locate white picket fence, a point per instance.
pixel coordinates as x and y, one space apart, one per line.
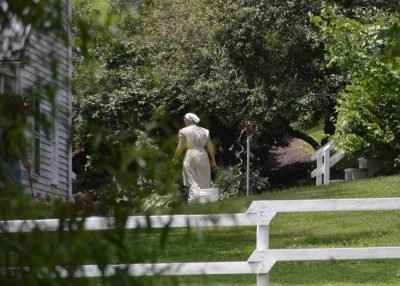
260 262
324 163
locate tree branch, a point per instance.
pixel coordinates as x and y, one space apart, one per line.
304 137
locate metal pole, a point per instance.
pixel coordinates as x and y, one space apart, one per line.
248 167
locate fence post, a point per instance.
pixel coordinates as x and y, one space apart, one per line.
327 166
263 279
325 162
262 243
319 176
262 237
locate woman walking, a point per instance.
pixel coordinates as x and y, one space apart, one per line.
197 165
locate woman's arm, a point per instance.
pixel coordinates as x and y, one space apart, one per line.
179 149
211 151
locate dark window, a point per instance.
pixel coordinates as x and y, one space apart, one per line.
36 114
36 163
8 84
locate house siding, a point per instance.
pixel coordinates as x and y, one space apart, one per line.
55 173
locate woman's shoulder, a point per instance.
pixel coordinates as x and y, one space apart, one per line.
193 128
184 129
204 129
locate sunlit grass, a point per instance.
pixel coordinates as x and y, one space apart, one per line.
306 230
291 230
317 133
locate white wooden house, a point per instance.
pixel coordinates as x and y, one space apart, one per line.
36 63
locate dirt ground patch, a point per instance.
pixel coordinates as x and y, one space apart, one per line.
288 165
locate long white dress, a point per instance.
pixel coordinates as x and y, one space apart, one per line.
196 165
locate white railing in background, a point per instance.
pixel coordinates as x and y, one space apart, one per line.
261 261
324 163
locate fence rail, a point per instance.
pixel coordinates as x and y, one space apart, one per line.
132 222
260 214
324 163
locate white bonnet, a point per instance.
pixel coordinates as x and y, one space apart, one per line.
192 117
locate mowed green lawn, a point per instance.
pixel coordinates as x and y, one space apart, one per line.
296 230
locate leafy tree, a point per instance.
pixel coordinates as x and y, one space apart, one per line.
229 61
392 35
368 121
115 100
236 61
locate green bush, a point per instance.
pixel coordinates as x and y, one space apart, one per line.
368 109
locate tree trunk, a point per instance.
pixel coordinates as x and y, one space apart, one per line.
329 126
304 137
